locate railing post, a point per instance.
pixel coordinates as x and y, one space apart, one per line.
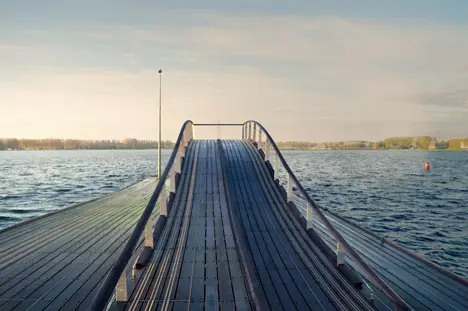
276 166
250 131
149 233
260 139
172 181
182 147
255 132
178 163
243 131
340 254
162 202
310 216
121 293
290 188
267 148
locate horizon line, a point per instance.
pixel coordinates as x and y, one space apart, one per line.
279 141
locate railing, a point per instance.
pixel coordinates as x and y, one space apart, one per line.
250 129
117 278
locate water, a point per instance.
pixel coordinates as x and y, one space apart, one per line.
387 192
36 182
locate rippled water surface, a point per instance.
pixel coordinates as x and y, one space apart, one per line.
36 182
387 192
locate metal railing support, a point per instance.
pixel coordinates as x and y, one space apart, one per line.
178 163
182 147
121 293
310 216
276 166
260 139
249 133
172 181
149 234
254 132
290 188
186 139
340 253
267 149
163 202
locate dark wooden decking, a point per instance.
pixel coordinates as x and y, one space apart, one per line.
293 272
56 262
230 241
421 283
195 263
417 281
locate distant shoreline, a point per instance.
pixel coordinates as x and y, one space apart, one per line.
283 149
392 143
164 148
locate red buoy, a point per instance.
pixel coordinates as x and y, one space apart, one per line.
427 166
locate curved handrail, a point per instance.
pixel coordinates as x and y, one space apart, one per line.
368 271
107 289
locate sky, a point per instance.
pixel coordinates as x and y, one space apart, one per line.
307 70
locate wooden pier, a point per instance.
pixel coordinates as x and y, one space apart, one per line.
57 261
220 230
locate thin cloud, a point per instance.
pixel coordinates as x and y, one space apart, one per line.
307 78
448 99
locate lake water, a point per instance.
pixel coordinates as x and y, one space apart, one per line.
387 192
36 182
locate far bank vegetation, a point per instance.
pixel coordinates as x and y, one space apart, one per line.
414 143
76 144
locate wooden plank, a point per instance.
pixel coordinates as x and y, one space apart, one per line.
49 256
202 275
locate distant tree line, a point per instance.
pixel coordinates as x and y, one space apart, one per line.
416 142
295 145
72 144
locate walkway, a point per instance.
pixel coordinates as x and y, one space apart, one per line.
56 262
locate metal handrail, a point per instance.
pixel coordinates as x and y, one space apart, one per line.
119 269
218 124
342 244
107 289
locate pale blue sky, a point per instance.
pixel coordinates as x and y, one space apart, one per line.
309 70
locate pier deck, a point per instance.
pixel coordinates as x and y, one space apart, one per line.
421 283
229 237
57 261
